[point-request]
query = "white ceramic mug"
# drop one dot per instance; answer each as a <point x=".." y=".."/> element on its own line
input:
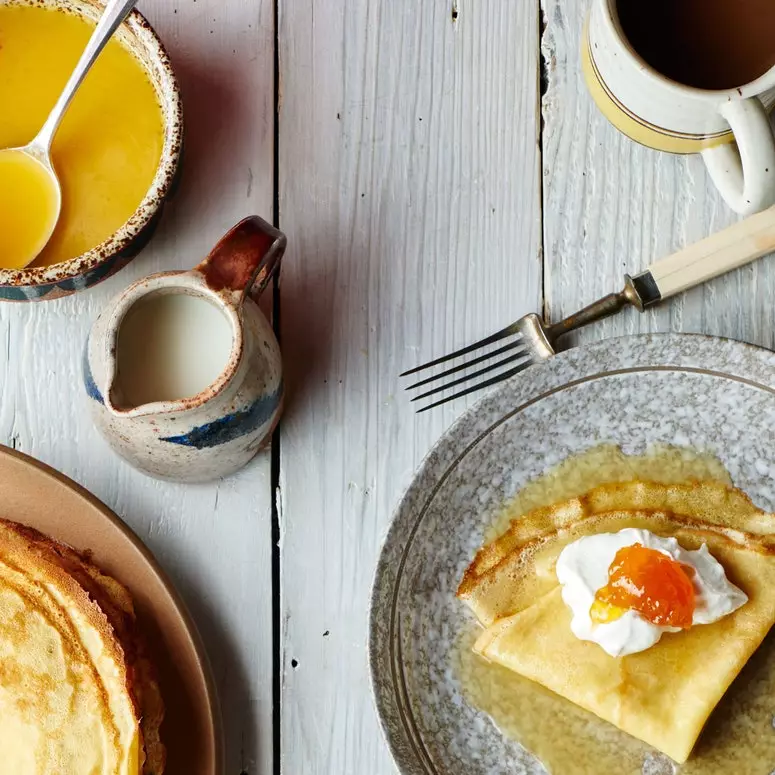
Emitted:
<point x="668" y="116"/>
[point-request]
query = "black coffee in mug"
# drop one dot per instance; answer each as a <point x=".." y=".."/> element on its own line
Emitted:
<point x="709" y="44"/>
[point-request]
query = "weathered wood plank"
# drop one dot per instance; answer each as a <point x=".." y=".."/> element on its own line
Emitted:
<point x="409" y="189"/>
<point x="612" y="206"/>
<point x="213" y="540"/>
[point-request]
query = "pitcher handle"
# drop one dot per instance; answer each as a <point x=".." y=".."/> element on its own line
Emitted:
<point x="245" y="258"/>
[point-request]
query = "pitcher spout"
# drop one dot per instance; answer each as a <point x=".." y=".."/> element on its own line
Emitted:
<point x="117" y="406"/>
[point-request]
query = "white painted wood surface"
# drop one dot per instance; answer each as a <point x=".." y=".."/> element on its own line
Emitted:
<point x="213" y="540"/>
<point x="409" y="190"/>
<point x="411" y="237"/>
<point x="612" y="206"/>
<point x="421" y="216"/>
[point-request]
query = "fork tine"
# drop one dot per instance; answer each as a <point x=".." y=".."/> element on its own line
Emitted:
<point x="511" y="346"/>
<point x="479" y="386"/>
<point x="511" y="359"/>
<point x="496" y="337"/>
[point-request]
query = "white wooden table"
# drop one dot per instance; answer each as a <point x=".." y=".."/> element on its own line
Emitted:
<point x="430" y="196"/>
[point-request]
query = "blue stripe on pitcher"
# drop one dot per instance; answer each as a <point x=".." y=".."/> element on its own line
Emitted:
<point x="88" y="379"/>
<point x="232" y="426"/>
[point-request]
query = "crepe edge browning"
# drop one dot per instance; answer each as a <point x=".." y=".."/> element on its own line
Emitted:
<point x="102" y="594"/>
<point x="717" y="513"/>
<point x="752" y="527"/>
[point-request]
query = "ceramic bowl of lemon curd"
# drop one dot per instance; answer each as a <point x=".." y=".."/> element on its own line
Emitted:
<point x="117" y="152"/>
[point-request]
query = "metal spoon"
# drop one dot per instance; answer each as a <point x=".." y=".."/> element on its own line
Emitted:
<point x="39" y="150"/>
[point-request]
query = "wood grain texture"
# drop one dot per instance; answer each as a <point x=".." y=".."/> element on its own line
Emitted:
<point x="409" y="190"/>
<point x="213" y="540"/>
<point x="611" y="206"/>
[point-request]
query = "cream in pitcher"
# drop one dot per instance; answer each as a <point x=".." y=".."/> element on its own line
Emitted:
<point x="183" y="371"/>
<point x="171" y="346"/>
<point x="691" y="76"/>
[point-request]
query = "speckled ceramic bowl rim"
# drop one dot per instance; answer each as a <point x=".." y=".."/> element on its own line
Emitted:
<point x="168" y="91"/>
<point x="695" y="353"/>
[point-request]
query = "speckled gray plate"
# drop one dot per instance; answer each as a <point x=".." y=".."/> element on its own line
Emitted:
<point x="711" y="394"/>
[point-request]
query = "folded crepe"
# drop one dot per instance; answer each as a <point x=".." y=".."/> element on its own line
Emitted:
<point x="77" y="691"/>
<point x="663" y="695"/>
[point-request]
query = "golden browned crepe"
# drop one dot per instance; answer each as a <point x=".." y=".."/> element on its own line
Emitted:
<point x="665" y="694"/>
<point x="77" y="691"/>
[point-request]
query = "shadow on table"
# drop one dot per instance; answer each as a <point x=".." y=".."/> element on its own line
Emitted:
<point x="217" y="118"/>
<point x="233" y="684"/>
<point x="316" y="305"/>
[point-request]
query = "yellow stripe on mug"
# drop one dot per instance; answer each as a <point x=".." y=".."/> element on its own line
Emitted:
<point x="668" y="115"/>
<point x="638" y="129"/>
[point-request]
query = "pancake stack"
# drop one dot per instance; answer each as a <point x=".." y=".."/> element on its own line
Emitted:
<point x="77" y="691"/>
<point x="663" y="695"/>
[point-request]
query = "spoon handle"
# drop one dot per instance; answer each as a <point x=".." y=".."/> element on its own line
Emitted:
<point x="115" y="13"/>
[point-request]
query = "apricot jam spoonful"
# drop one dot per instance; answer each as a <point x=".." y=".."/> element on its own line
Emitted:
<point x="30" y="192"/>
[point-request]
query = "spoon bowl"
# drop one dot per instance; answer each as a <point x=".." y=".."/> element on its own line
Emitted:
<point x="30" y="203"/>
<point x="33" y="205"/>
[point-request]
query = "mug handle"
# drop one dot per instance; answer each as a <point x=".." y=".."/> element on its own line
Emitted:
<point x="245" y="258"/>
<point x="746" y="177"/>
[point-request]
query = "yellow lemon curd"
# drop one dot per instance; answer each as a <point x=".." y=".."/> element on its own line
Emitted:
<point x="28" y="208"/>
<point x="106" y="152"/>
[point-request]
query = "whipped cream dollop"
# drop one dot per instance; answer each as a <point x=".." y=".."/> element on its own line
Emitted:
<point x="582" y="569"/>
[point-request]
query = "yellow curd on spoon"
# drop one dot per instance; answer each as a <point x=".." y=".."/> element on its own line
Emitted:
<point x="108" y="147"/>
<point x="29" y="207"/>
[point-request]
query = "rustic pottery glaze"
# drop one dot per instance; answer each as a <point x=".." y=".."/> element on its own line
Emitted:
<point x="218" y="431"/>
<point x="94" y="266"/>
<point x="616" y="392"/>
<point x="669" y="116"/>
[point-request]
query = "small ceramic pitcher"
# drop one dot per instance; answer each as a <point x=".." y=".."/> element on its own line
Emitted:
<point x="216" y="432"/>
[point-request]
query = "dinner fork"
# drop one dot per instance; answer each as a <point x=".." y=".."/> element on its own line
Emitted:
<point x="531" y="339"/>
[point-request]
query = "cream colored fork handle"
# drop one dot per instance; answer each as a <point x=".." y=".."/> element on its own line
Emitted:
<point x="736" y="246"/>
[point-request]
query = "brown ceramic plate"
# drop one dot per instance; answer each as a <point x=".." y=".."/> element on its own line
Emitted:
<point x="34" y="494"/>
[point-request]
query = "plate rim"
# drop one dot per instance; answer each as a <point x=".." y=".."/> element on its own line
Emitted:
<point x="434" y="468"/>
<point x="211" y="692"/>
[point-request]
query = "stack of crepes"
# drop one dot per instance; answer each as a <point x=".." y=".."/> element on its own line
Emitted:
<point x="665" y="694"/>
<point x="77" y="691"/>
